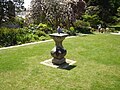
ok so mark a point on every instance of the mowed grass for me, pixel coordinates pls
(97, 66)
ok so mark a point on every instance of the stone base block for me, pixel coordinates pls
(64, 65)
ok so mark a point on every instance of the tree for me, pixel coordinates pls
(37, 11)
(19, 5)
(107, 8)
(56, 12)
(8, 9)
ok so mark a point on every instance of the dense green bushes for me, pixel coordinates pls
(79, 26)
(16, 22)
(82, 26)
(12, 36)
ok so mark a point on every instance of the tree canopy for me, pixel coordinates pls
(66, 12)
(56, 12)
(107, 8)
(9, 8)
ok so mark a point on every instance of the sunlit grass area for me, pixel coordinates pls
(97, 66)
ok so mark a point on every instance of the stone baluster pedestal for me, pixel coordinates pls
(58, 52)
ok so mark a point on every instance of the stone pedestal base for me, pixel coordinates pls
(58, 61)
(65, 65)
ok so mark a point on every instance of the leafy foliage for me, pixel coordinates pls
(12, 36)
(8, 9)
(106, 8)
(56, 12)
(92, 19)
(71, 31)
(82, 26)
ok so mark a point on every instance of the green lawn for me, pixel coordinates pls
(97, 66)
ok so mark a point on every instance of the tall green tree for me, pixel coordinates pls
(8, 8)
(107, 9)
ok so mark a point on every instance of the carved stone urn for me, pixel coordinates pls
(58, 52)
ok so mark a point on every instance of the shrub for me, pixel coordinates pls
(41, 25)
(40, 33)
(42, 38)
(92, 19)
(36, 37)
(45, 28)
(8, 36)
(17, 22)
(82, 26)
(11, 36)
(72, 31)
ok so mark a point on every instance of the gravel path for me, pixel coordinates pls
(116, 33)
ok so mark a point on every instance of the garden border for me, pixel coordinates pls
(30, 43)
